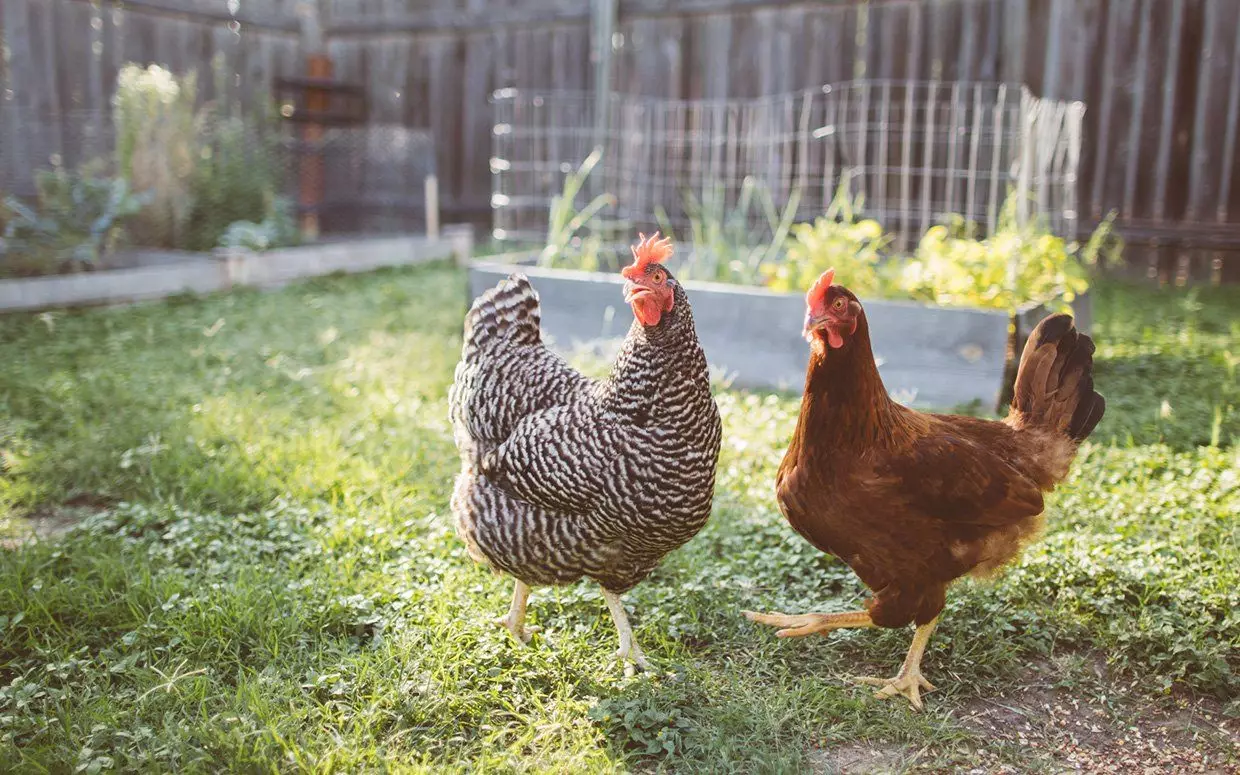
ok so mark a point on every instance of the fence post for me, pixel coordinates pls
(430, 187)
(602, 27)
(318, 67)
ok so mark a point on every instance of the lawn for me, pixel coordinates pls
(244, 561)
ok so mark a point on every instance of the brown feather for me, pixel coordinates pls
(912, 501)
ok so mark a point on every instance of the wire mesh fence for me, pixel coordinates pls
(913, 153)
(230, 168)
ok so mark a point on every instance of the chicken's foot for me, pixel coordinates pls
(629, 653)
(909, 681)
(795, 625)
(514, 620)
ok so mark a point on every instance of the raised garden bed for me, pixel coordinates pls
(144, 275)
(928, 356)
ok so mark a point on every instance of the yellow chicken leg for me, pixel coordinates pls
(796, 625)
(909, 681)
(629, 653)
(514, 620)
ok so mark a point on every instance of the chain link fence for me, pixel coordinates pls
(912, 153)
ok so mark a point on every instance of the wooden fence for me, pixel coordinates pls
(1161, 78)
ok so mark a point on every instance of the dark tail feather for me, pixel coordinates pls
(1055, 382)
(508, 312)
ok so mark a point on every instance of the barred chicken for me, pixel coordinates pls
(912, 501)
(564, 477)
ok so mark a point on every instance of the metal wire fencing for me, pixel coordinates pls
(913, 154)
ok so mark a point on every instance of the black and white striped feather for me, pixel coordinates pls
(563, 476)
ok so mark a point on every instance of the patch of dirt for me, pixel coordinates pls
(1095, 728)
(51, 521)
(1067, 731)
(858, 758)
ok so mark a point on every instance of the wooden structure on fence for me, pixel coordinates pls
(1161, 78)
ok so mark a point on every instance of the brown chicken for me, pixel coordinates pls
(912, 501)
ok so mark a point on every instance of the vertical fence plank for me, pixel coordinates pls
(1138, 91)
(1227, 171)
(1165, 132)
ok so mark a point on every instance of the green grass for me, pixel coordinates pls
(266, 577)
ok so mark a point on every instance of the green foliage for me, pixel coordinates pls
(753, 242)
(203, 169)
(157, 147)
(566, 245)
(238, 177)
(269, 580)
(278, 229)
(838, 239)
(649, 729)
(725, 244)
(1017, 265)
(79, 217)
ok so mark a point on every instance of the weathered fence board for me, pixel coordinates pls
(1161, 78)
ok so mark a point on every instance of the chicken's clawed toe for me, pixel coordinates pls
(630, 655)
(796, 625)
(520, 633)
(905, 684)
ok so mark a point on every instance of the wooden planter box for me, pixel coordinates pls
(929, 356)
(156, 275)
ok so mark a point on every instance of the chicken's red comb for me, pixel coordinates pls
(651, 250)
(819, 289)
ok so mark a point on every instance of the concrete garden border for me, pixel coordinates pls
(159, 275)
(928, 356)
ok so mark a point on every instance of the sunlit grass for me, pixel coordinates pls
(270, 579)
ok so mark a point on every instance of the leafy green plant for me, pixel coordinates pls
(566, 246)
(236, 177)
(278, 229)
(157, 147)
(726, 246)
(205, 169)
(647, 728)
(854, 247)
(1018, 264)
(78, 218)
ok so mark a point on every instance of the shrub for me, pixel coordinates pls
(205, 170)
(236, 178)
(79, 217)
(853, 247)
(1018, 264)
(279, 228)
(157, 147)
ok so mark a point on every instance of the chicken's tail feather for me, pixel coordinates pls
(508, 312)
(1055, 382)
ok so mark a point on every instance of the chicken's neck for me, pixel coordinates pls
(652, 360)
(845, 405)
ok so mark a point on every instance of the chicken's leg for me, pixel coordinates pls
(909, 681)
(629, 653)
(806, 624)
(514, 621)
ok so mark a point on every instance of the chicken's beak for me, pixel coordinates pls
(633, 291)
(812, 324)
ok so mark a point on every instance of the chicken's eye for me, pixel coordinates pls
(839, 304)
(658, 276)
